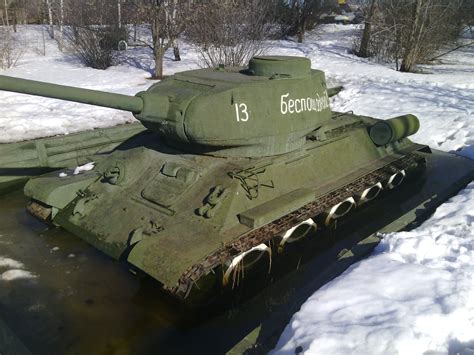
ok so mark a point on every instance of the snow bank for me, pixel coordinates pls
(414, 295)
(25, 117)
(443, 100)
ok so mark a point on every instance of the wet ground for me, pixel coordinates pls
(71, 299)
(78, 300)
(68, 298)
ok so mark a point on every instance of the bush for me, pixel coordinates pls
(10, 50)
(229, 32)
(95, 45)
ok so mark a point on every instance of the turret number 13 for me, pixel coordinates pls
(241, 112)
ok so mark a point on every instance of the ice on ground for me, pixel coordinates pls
(86, 167)
(16, 274)
(10, 263)
(415, 294)
(14, 270)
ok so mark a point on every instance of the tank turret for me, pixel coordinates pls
(266, 109)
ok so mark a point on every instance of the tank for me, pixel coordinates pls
(237, 167)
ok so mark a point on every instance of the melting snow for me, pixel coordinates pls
(415, 294)
(14, 270)
(10, 263)
(16, 274)
(85, 167)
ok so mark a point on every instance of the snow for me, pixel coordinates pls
(415, 294)
(14, 270)
(86, 167)
(16, 274)
(26, 117)
(10, 263)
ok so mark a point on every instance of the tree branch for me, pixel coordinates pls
(452, 50)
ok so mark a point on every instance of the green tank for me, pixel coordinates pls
(237, 166)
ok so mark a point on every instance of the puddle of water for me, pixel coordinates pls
(59, 294)
(76, 300)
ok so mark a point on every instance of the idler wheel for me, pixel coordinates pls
(339, 210)
(245, 261)
(396, 179)
(369, 193)
(297, 233)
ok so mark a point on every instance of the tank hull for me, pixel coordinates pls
(183, 218)
(23, 160)
(87, 320)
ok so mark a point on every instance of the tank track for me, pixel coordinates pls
(265, 233)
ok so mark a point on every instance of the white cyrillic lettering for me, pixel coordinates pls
(283, 104)
(317, 103)
(291, 106)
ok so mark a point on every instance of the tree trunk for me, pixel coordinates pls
(159, 55)
(61, 24)
(15, 19)
(300, 36)
(364, 43)
(159, 48)
(50, 18)
(119, 13)
(177, 54)
(409, 56)
(300, 33)
(6, 13)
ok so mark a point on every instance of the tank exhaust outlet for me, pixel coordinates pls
(297, 233)
(396, 179)
(244, 261)
(339, 210)
(394, 129)
(369, 193)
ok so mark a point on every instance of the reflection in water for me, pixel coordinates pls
(75, 300)
(79, 301)
(57, 293)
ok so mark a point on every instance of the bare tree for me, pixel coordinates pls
(6, 13)
(409, 32)
(49, 9)
(10, 49)
(229, 32)
(167, 20)
(300, 16)
(466, 14)
(364, 43)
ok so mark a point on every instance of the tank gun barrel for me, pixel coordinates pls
(86, 96)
